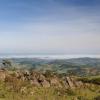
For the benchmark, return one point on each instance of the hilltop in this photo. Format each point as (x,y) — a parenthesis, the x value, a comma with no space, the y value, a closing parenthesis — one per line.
(32,85)
(49,79)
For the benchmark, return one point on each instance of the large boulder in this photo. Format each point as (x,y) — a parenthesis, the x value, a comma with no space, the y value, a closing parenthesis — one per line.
(54,81)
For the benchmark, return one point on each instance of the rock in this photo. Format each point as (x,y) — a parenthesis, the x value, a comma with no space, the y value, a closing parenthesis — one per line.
(35,82)
(45,84)
(26,72)
(55,82)
(70,83)
(79,84)
(41,77)
(65,84)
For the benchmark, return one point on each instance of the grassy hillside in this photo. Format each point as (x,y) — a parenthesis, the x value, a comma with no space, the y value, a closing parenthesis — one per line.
(45,81)
(41,93)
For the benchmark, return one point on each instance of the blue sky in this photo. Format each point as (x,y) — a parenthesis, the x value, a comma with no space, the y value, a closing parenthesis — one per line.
(50,26)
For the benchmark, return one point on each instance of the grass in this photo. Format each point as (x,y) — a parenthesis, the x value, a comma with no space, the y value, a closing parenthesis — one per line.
(40,93)
(91,79)
(52,93)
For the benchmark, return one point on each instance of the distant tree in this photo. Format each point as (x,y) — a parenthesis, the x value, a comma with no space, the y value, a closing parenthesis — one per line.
(7,63)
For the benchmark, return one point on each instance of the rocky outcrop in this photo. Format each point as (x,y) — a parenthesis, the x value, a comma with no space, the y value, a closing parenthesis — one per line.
(40,79)
(70,82)
(55,81)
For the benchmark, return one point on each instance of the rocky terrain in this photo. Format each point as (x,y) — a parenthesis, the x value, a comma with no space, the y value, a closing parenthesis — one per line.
(40,79)
(20,81)
(24,84)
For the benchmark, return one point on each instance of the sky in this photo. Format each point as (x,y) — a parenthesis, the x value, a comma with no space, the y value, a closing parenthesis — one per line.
(50,26)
